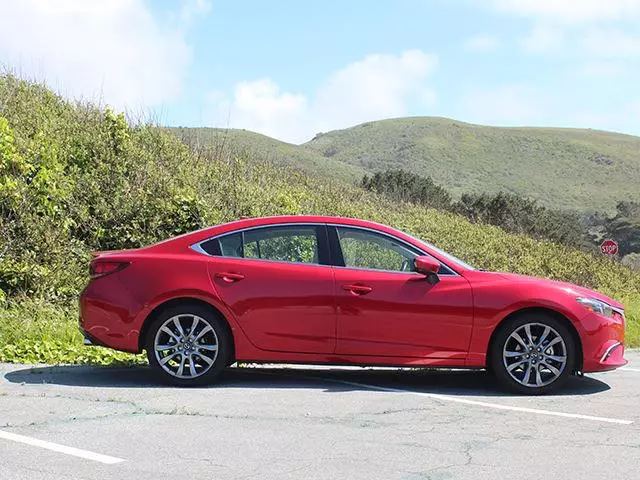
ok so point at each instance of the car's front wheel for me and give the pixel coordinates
(188, 345)
(533, 354)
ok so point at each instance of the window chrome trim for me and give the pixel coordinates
(198, 248)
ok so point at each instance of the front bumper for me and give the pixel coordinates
(612, 356)
(603, 342)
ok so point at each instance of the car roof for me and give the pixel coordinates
(191, 238)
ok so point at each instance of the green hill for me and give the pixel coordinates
(573, 169)
(75, 178)
(268, 150)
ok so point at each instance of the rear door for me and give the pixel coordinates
(277, 282)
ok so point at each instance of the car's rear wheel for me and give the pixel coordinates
(188, 345)
(533, 354)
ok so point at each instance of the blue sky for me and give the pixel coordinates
(290, 69)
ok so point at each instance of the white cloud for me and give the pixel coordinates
(611, 42)
(379, 86)
(544, 39)
(504, 105)
(260, 106)
(482, 43)
(192, 9)
(581, 29)
(603, 68)
(572, 10)
(116, 51)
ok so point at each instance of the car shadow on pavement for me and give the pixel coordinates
(445, 382)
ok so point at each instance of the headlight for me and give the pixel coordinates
(596, 306)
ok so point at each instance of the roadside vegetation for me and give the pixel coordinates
(509, 211)
(75, 178)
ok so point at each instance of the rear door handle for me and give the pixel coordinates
(357, 289)
(230, 277)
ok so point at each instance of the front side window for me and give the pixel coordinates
(284, 244)
(365, 249)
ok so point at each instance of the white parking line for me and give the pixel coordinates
(497, 406)
(627, 369)
(56, 447)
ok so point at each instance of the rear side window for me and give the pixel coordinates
(231, 245)
(281, 243)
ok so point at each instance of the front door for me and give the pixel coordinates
(387, 309)
(274, 281)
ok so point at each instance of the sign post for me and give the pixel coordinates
(609, 247)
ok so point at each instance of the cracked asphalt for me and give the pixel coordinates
(316, 423)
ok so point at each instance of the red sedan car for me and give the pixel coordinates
(315, 289)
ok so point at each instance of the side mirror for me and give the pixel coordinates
(428, 266)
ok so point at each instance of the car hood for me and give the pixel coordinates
(567, 287)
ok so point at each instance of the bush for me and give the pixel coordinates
(517, 214)
(408, 187)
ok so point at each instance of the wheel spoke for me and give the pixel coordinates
(181, 367)
(162, 348)
(527, 330)
(203, 332)
(538, 376)
(168, 358)
(515, 365)
(176, 322)
(192, 367)
(553, 342)
(519, 339)
(206, 359)
(527, 375)
(210, 348)
(543, 337)
(556, 358)
(553, 369)
(194, 326)
(168, 331)
(512, 354)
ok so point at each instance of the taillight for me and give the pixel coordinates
(100, 268)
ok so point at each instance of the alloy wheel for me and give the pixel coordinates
(535, 355)
(186, 346)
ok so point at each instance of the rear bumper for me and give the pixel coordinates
(90, 341)
(107, 316)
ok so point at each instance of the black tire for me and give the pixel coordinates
(500, 363)
(206, 372)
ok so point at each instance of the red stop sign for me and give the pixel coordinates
(609, 247)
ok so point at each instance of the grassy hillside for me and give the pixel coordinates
(572, 169)
(269, 150)
(74, 178)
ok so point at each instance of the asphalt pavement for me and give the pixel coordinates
(314, 423)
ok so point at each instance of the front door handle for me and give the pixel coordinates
(357, 289)
(230, 277)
